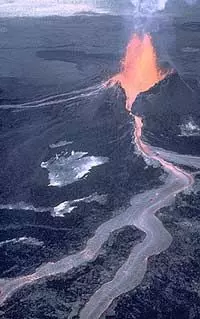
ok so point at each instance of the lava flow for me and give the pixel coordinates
(139, 72)
(139, 68)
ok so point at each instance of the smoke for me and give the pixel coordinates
(148, 6)
(40, 8)
(70, 7)
(191, 1)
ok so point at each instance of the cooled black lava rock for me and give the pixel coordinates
(170, 288)
(89, 122)
(165, 107)
(69, 292)
(97, 124)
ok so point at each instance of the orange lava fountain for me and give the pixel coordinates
(139, 68)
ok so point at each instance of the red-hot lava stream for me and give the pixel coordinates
(139, 72)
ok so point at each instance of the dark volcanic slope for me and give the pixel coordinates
(97, 125)
(165, 108)
(42, 56)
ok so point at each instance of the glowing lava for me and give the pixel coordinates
(139, 68)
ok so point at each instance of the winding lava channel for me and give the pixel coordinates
(139, 72)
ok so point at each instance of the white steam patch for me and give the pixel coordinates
(68, 206)
(190, 128)
(66, 169)
(60, 144)
(23, 206)
(61, 209)
(23, 240)
(190, 50)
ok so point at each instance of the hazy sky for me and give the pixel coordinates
(69, 7)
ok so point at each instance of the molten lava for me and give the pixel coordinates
(139, 68)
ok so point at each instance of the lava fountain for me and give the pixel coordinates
(139, 68)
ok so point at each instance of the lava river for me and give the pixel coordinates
(139, 72)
